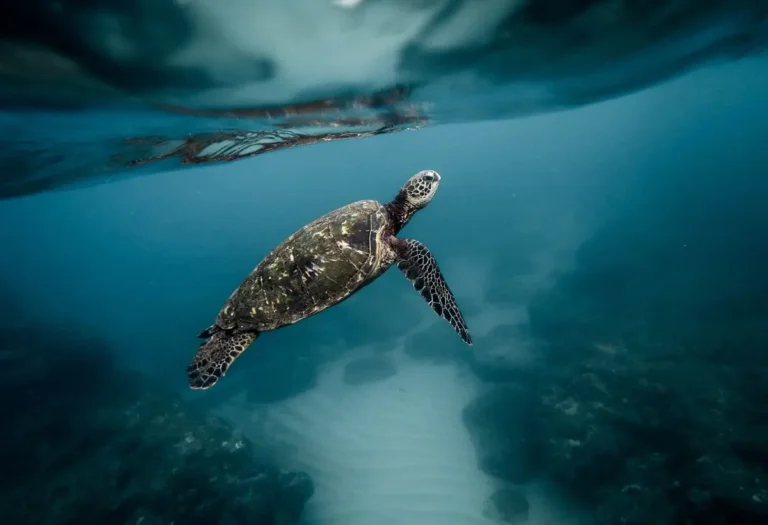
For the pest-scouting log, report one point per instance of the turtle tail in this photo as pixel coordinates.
(214, 356)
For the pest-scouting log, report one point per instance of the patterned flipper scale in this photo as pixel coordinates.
(420, 267)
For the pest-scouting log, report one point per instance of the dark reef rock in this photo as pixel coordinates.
(653, 407)
(507, 506)
(297, 489)
(505, 354)
(661, 439)
(368, 370)
(499, 423)
(88, 444)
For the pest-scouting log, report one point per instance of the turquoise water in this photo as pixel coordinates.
(609, 260)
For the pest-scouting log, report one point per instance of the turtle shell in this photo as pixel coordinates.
(318, 266)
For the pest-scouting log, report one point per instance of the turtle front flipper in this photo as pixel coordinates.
(420, 267)
(216, 355)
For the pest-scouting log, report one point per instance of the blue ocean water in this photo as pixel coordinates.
(609, 260)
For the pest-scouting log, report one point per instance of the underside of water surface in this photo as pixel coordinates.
(97, 90)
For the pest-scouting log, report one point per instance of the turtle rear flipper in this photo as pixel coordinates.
(215, 356)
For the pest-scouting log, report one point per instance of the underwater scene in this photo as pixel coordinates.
(544, 304)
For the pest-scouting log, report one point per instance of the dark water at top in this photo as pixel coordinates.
(600, 219)
(98, 90)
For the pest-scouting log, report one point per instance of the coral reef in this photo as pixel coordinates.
(672, 439)
(653, 404)
(85, 442)
(493, 421)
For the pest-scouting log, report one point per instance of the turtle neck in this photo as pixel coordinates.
(400, 211)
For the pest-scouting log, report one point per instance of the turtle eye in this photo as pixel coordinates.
(429, 177)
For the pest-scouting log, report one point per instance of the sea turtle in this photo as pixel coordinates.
(319, 266)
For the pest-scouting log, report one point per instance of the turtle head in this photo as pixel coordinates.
(420, 188)
(413, 196)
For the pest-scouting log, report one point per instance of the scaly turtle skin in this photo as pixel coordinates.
(319, 266)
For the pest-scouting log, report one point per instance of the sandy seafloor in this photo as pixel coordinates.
(396, 451)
